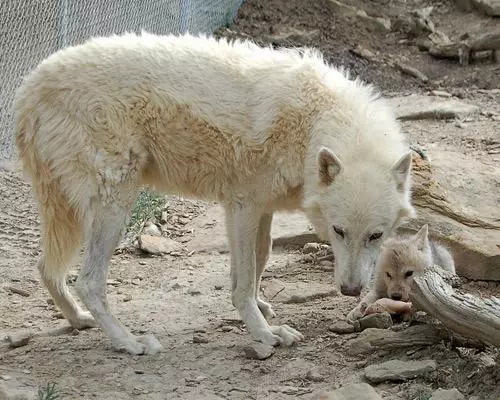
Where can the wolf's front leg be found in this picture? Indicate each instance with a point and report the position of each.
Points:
(243, 219)
(262, 251)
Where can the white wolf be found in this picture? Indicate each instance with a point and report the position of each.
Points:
(256, 129)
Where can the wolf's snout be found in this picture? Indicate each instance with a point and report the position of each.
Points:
(350, 290)
(396, 296)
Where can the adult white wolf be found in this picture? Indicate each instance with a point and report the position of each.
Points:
(256, 129)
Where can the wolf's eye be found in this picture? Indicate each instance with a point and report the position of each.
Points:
(375, 236)
(339, 231)
(408, 274)
(388, 275)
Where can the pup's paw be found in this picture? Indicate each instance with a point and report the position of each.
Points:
(288, 335)
(356, 313)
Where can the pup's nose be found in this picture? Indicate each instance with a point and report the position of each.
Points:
(396, 296)
(350, 290)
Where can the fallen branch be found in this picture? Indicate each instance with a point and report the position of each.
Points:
(464, 50)
(467, 315)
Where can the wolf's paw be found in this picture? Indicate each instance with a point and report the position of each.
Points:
(140, 345)
(83, 320)
(356, 314)
(266, 309)
(288, 335)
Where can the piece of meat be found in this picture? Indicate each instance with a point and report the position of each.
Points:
(389, 305)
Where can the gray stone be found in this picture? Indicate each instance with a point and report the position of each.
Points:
(447, 394)
(341, 327)
(158, 245)
(417, 107)
(311, 248)
(151, 229)
(290, 35)
(11, 393)
(440, 93)
(258, 351)
(489, 7)
(397, 370)
(199, 338)
(379, 320)
(352, 391)
(19, 339)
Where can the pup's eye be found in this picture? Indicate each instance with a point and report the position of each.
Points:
(375, 236)
(388, 275)
(408, 274)
(339, 231)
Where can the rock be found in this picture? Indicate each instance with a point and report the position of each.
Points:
(489, 7)
(8, 392)
(466, 221)
(19, 339)
(352, 391)
(258, 351)
(417, 107)
(295, 292)
(311, 248)
(372, 23)
(396, 370)
(381, 320)
(151, 229)
(199, 338)
(218, 287)
(341, 327)
(193, 292)
(158, 245)
(440, 93)
(450, 394)
(314, 376)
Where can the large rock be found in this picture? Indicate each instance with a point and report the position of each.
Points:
(415, 107)
(447, 394)
(158, 245)
(457, 196)
(353, 391)
(489, 7)
(397, 370)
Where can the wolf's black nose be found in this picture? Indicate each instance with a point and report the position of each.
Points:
(396, 296)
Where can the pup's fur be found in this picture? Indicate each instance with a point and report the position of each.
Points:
(256, 129)
(402, 258)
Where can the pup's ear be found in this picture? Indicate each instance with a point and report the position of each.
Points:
(329, 166)
(401, 171)
(421, 238)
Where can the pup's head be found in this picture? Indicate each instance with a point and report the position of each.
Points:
(356, 205)
(401, 259)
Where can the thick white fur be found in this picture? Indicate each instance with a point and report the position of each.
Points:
(206, 118)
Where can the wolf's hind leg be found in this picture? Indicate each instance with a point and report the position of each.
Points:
(63, 299)
(105, 232)
(262, 250)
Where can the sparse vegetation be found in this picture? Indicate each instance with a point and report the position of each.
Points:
(49, 392)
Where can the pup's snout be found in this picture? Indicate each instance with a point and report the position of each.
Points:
(396, 296)
(350, 290)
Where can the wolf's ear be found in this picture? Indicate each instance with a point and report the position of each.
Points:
(421, 238)
(401, 171)
(329, 166)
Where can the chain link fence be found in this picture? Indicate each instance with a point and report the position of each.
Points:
(31, 30)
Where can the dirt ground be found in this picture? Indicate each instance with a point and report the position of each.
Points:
(178, 297)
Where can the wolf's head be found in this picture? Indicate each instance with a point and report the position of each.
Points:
(401, 259)
(357, 204)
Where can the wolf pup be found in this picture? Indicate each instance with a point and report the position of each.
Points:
(256, 129)
(400, 259)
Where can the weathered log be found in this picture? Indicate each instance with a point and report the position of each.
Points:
(464, 50)
(467, 315)
(373, 339)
